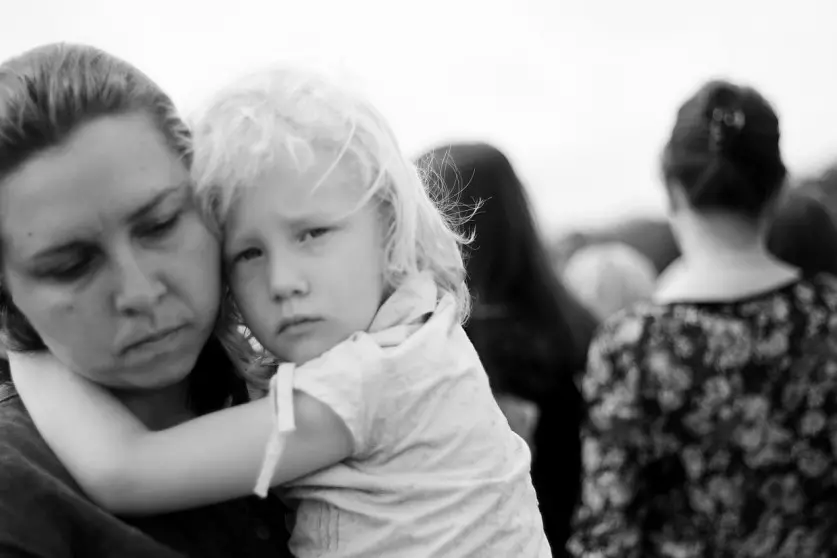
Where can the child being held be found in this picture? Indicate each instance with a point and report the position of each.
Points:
(379, 425)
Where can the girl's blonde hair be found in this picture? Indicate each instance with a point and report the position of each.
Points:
(287, 116)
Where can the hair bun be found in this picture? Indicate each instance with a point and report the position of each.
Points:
(724, 149)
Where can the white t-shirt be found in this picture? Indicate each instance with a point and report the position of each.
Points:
(435, 471)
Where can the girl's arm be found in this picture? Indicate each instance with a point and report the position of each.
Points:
(128, 469)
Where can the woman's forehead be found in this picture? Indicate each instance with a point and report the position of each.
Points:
(107, 172)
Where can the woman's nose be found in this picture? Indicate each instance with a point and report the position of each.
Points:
(139, 287)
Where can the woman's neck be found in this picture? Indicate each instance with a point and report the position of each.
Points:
(724, 259)
(161, 408)
(719, 238)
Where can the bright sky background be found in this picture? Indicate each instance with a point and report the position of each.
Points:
(579, 93)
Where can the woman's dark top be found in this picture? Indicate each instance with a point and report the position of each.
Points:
(712, 429)
(44, 514)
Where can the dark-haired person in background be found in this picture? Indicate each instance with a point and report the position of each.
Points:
(804, 235)
(712, 410)
(530, 333)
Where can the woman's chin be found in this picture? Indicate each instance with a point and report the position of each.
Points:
(151, 376)
(147, 382)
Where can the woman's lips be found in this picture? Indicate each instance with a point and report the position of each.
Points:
(153, 339)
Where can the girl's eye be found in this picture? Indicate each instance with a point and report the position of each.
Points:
(159, 229)
(247, 255)
(317, 232)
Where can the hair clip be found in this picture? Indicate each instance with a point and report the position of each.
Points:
(724, 120)
(730, 118)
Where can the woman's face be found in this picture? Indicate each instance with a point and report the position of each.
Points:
(106, 256)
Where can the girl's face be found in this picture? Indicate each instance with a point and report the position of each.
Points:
(106, 256)
(305, 266)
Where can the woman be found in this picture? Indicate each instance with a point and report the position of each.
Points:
(712, 410)
(530, 333)
(107, 265)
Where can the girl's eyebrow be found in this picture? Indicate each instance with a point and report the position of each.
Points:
(314, 217)
(302, 220)
(310, 219)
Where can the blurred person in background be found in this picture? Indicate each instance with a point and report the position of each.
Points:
(803, 234)
(610, 277)
(712, 410)
(530, 332)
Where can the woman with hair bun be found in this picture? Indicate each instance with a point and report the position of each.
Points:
(712, 408)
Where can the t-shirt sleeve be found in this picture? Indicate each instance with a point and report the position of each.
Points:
(344, 379)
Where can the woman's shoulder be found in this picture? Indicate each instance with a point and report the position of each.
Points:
(21, 446)
(31, 474)
(692, 332)
(797, 305)
(808, 293)
(804, 293)
(819, 289)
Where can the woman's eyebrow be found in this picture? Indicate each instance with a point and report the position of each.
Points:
(56, 250)
(135, 215)
(160, 197)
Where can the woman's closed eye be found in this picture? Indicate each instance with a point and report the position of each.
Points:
(159, 228)
(68, 269)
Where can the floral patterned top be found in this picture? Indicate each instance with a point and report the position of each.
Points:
(712, 429)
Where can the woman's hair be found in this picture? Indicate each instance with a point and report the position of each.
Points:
(284, 118)
(803, 234)
(610, 277)
(724, 150)
(47, 94)
(509, 271)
